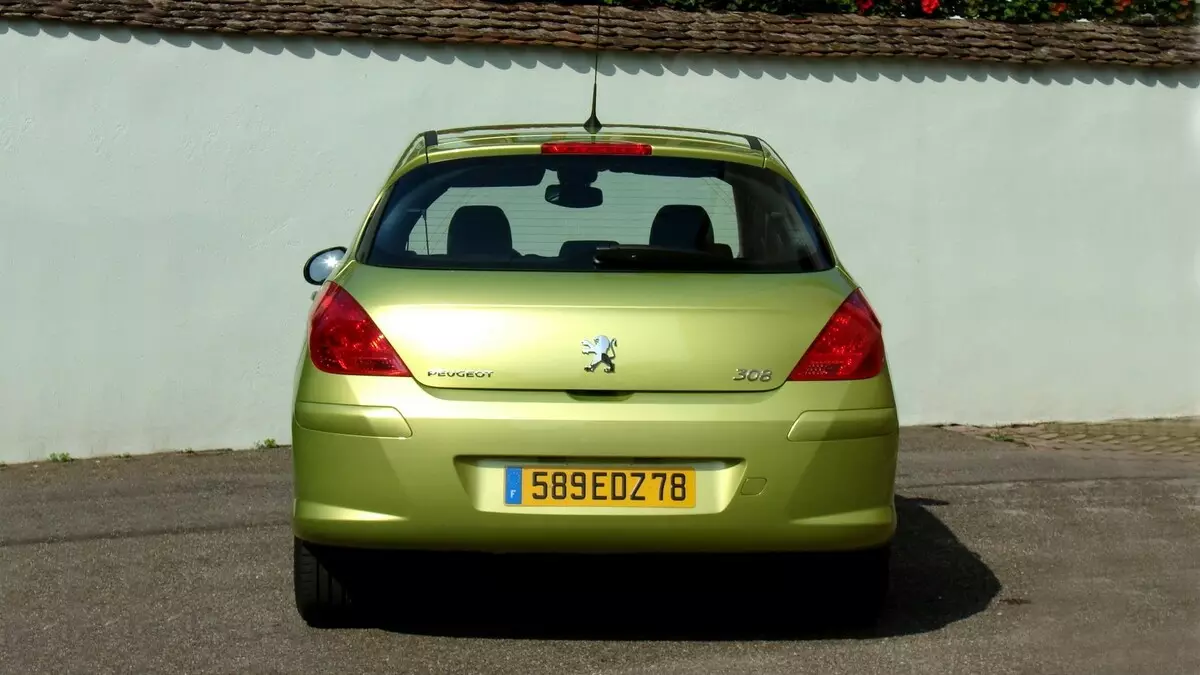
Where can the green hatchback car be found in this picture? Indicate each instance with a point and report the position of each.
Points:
(549, 339)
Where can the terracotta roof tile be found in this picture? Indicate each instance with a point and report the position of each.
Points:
(641, 30)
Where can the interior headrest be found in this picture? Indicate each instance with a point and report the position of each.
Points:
(479, 230)
(684, 226)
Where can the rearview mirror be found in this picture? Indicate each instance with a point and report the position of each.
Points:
(322, 264)
(574, 196)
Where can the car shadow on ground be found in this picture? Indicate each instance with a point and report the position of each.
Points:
(936, 581)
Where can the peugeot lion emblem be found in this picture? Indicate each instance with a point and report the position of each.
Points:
(602, 349)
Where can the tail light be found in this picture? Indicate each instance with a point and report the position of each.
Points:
(849, 347)
(343, 340)
(596, 148)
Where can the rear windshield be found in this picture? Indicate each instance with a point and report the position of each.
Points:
(595, 213)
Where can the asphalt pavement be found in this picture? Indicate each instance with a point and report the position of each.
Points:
(1009, 560)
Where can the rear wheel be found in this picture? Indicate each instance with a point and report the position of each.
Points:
(842, 590)
(321, 597)
(864, 581)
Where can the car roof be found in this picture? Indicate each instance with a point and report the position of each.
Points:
(479, 139)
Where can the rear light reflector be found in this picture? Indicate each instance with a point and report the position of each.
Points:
(596, 148)
(343, 340)
(849, 347)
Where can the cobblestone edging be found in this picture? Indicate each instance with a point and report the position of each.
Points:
(1178, 437)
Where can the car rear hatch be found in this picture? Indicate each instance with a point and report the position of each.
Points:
(611, 266)
(542, 331)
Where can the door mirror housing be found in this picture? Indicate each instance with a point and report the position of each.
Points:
(322, 264)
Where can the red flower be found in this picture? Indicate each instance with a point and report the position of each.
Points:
(1122, 5)
(1058, 8)
(928, 6)
(864, 5)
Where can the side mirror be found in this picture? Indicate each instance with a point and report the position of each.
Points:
(322, 264)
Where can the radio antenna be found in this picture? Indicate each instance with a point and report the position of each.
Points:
(592, 125)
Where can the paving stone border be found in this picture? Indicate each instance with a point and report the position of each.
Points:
(1179, 437)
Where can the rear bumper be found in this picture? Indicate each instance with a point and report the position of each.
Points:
(772, 476)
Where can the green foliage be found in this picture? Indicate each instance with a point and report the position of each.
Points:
(1151, 12)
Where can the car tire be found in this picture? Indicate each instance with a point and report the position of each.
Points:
(866, 582)
(321, 598)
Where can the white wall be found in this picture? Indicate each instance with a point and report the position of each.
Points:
(1030, 243)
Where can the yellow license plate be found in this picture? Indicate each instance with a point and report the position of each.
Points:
(561, 486)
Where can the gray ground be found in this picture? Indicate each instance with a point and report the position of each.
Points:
(1010, 560)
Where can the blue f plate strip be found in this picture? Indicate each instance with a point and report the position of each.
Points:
(512, 485)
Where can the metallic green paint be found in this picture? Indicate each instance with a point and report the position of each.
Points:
(683, 332)
(418, 462)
